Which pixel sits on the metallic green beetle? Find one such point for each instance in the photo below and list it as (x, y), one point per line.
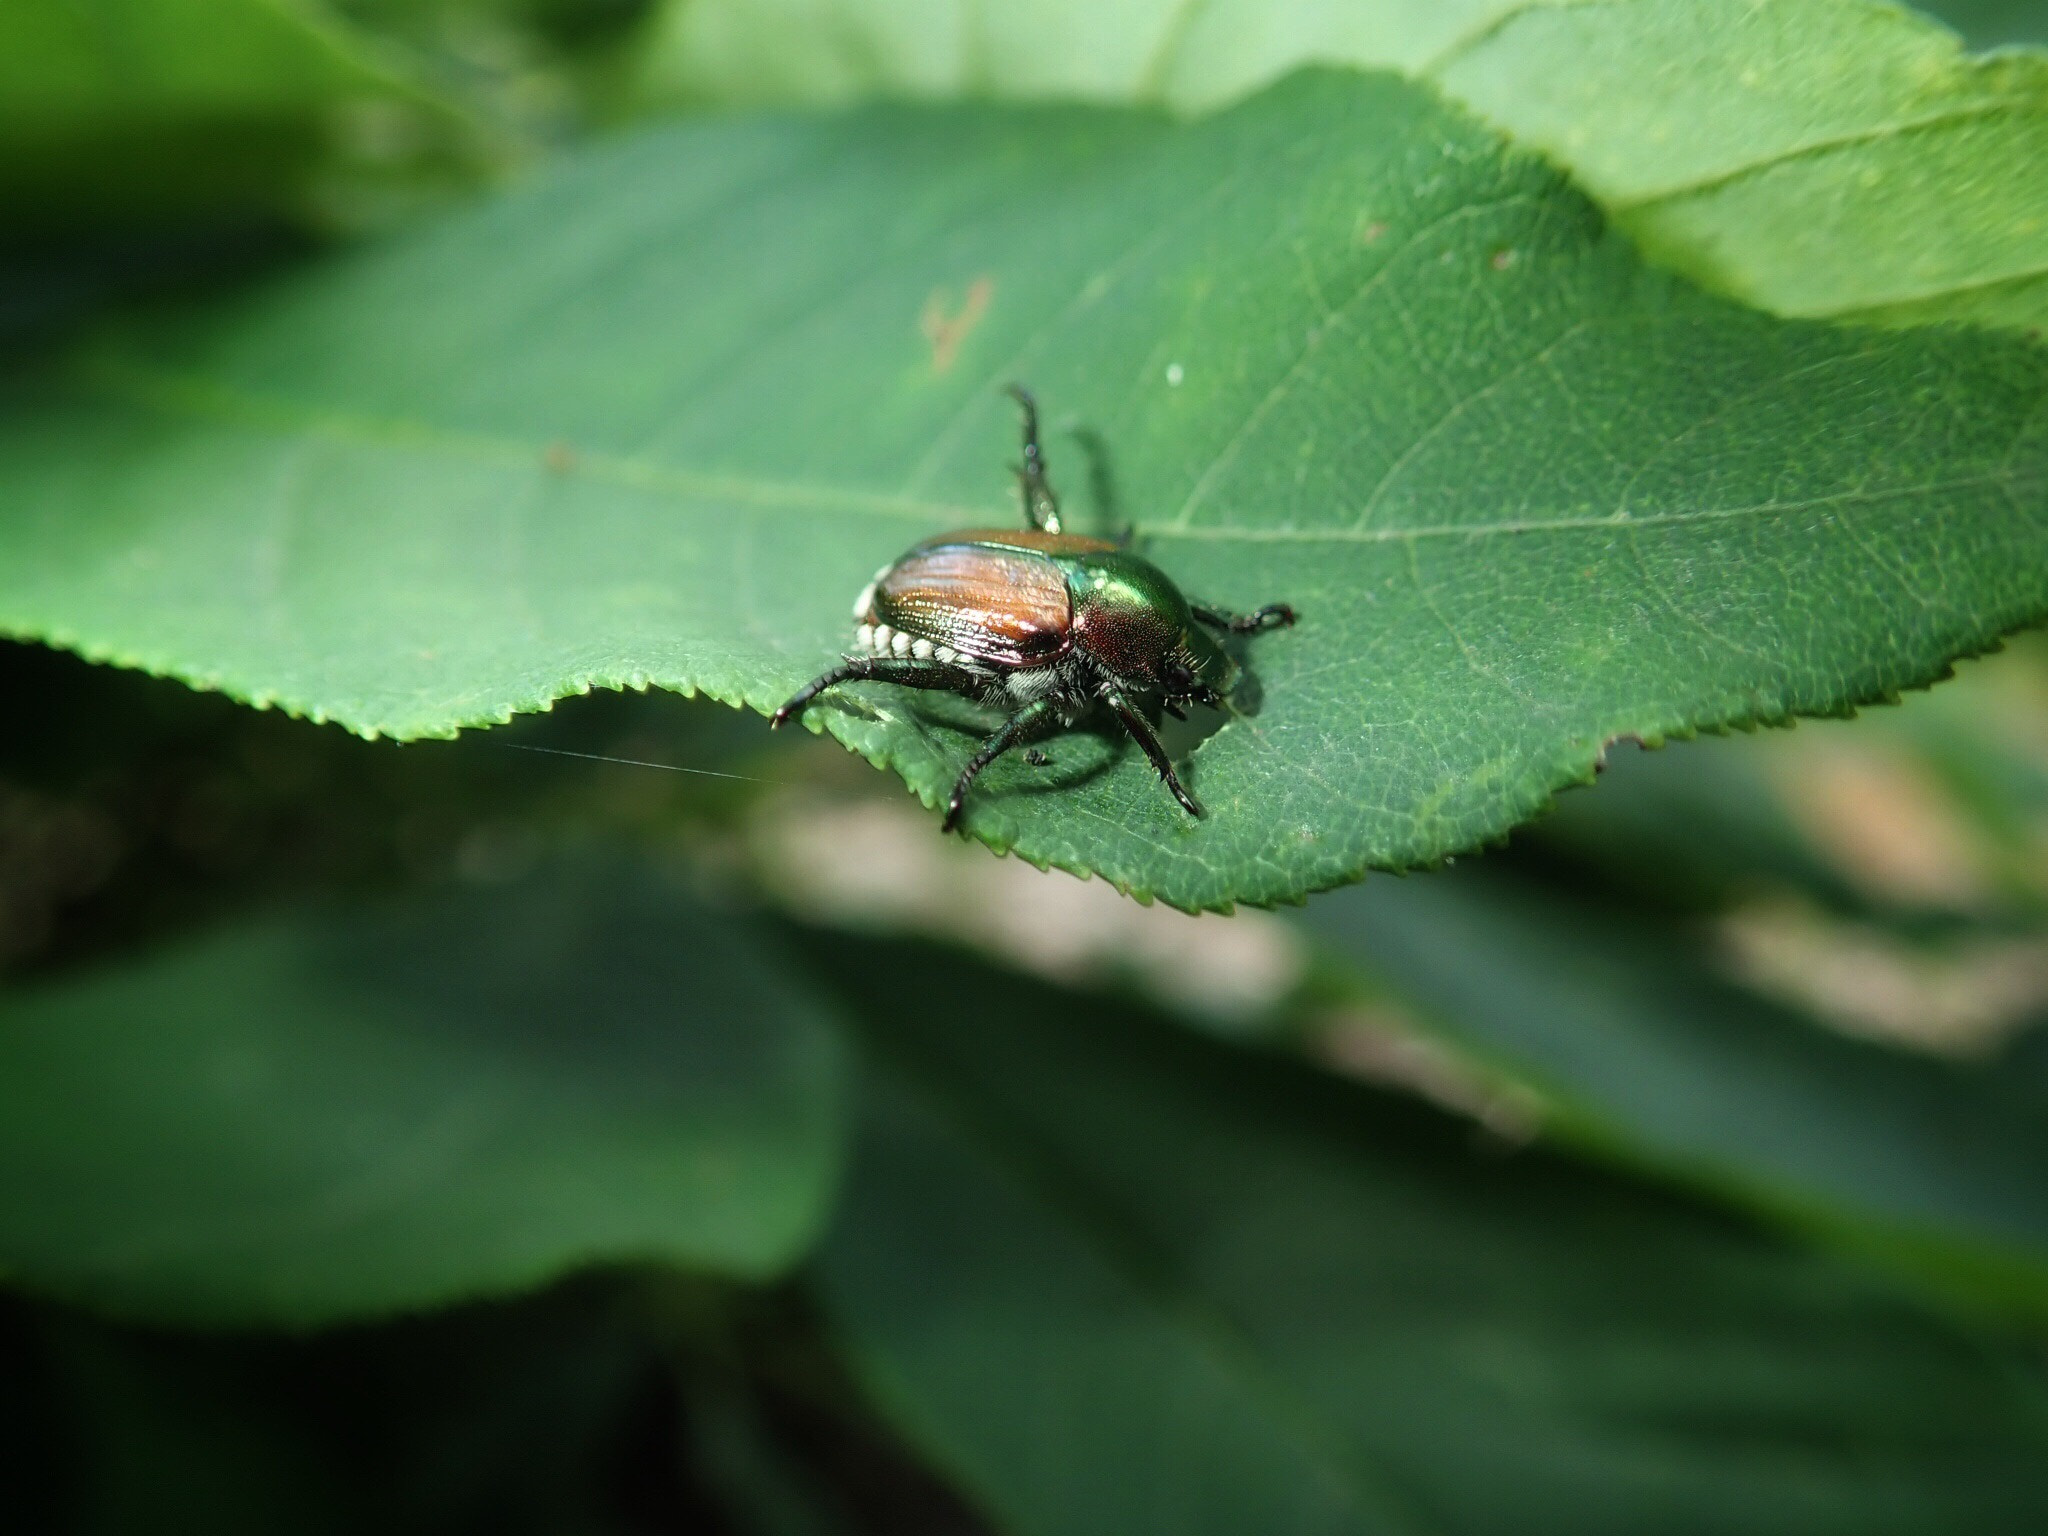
(1044, 625)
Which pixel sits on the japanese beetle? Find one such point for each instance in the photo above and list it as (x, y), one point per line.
(1044, 625)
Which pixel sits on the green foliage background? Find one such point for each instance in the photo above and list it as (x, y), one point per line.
(399, 1129)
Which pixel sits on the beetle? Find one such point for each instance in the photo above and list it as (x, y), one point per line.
(1044, 625)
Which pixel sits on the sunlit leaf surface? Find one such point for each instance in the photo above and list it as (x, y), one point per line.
(658, 418)
(1812, 157)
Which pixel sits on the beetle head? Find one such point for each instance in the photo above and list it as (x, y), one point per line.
(1135, 624)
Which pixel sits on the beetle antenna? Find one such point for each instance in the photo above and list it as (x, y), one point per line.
(627, 762)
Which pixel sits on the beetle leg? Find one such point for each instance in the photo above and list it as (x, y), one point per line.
(1041, 506)
(904, 672)
(1272, 616)
(1031, 723)
(1141, 729)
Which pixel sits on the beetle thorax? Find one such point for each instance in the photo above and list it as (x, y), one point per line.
(1129, 619)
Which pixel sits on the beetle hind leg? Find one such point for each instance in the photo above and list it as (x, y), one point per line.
(1041, 506)
(936, 676)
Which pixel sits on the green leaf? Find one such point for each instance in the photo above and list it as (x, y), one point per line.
(1992, 23)
(1931, 815)
(1696, 827)
(657, 420)
(1812, 157)
(1115, 1278)
(1645, 1054)
(342, 1116)
(128, 109)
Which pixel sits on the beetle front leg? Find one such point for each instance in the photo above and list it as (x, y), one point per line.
(1147, 738)
(1041, 506)
(1032, 723)
(1272, 616)
(906, 673)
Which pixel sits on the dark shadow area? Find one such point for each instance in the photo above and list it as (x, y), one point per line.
(1106, 513)
(54, 283)
(1093, 746)
(134, 808)
(620, 1404)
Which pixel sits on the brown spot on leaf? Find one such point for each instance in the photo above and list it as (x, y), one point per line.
(559, 457)
(946, 329)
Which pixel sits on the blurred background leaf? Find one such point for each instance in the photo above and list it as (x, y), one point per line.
(1115, 1278)
(340, 1116)
(154, 149)
(1993, 23)
(1639, 1047)
(135, 111)
(1923, 815)
(1811, 157)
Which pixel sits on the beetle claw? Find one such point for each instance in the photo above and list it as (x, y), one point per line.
(1272, 616)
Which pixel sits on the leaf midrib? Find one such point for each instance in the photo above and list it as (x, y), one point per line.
(195, 396)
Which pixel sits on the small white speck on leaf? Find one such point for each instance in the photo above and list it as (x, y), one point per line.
(1174, 374)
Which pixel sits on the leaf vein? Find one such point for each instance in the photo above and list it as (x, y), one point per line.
(1876, 133)
(192, 395)
(1339, 316)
